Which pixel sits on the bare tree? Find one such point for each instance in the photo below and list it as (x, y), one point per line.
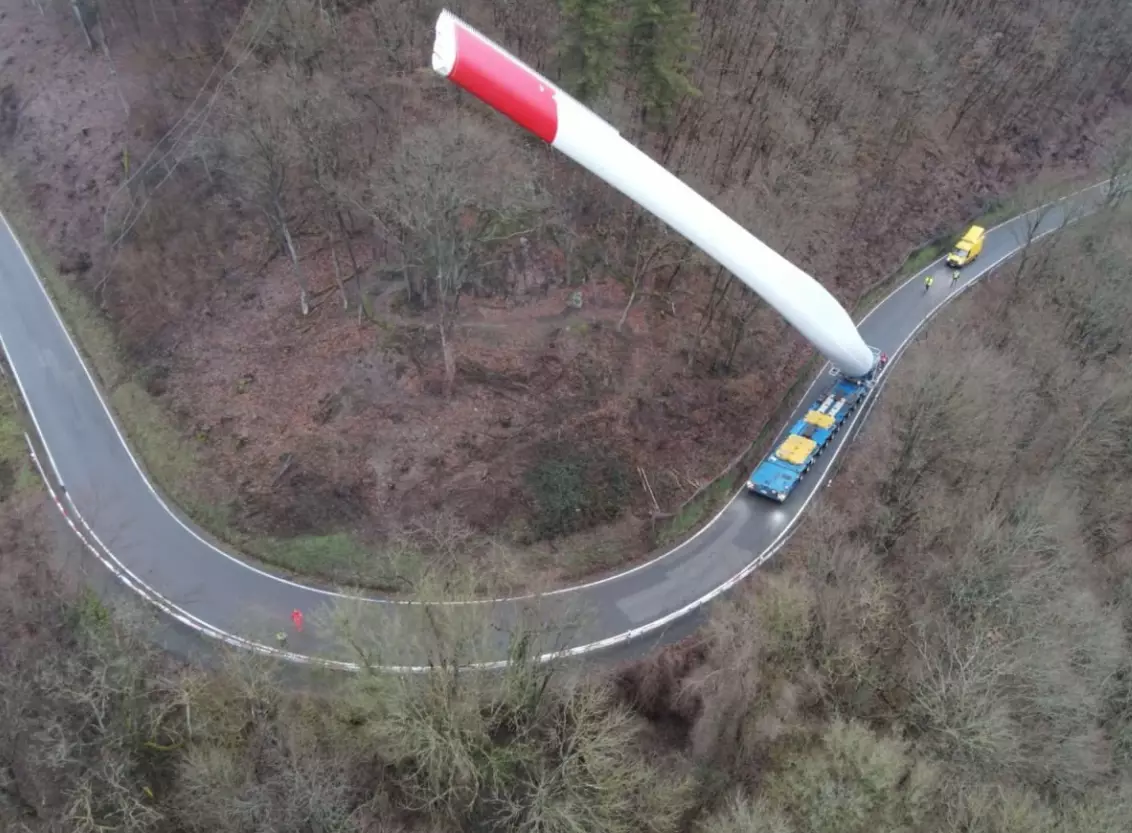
(854, 780)
(397, 32)
(261, 158)
(1118, 168)
(449, 197)
(325, 123)
(1018, 673)
(530, 747)
(1032, 227)
(941, 417)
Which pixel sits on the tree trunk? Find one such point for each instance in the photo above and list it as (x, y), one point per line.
(628, 306)
(338, 273)
(104, 42)
(304, 291)
(82, 24)
(446, 350)
(157, 24)
(738, 330)
(349, 248)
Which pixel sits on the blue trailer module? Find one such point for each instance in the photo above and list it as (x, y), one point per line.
(784, 468)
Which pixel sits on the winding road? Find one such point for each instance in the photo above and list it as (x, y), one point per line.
(154, 550)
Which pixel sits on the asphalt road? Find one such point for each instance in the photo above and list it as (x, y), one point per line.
(158, 553)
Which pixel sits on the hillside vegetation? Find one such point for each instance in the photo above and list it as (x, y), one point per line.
(944, 648)
(362, 318)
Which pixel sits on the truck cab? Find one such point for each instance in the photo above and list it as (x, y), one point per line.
(968, 247)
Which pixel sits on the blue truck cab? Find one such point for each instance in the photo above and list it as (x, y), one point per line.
(784, 468)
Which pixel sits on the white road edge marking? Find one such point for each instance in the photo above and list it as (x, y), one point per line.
(119, 570)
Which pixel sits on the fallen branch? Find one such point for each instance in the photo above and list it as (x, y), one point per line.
(283, 471)
(625, 312)
(648, 488)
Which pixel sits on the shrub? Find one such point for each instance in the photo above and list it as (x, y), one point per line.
(576, 489)
(854, 781)
(532, 747)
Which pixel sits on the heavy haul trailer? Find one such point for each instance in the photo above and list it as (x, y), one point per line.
(784, 468)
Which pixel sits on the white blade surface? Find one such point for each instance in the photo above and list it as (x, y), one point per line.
(492, 74)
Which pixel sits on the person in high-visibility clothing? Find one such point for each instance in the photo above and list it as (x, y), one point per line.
(928, 283)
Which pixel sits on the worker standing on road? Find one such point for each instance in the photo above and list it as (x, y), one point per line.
(927, 283)
(954, 276)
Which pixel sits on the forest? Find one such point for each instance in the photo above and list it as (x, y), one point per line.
(323, 289)
(355, 322)
(945, 648)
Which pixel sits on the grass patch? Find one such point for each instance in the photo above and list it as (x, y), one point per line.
(918, 260)
(17, 473)
(89, 614)
(694, 512)
(923, 257)
(12, 445)
(997, 211)
(338, 556)
(590, 553)
(166, 452)
(306, 552)
(596, 558)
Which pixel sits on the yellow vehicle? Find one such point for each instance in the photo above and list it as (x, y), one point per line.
(968, 247)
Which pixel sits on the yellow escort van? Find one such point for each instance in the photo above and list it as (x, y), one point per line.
(968, 248)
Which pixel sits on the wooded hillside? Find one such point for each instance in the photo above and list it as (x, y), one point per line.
(944, 649)
(365, 321)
